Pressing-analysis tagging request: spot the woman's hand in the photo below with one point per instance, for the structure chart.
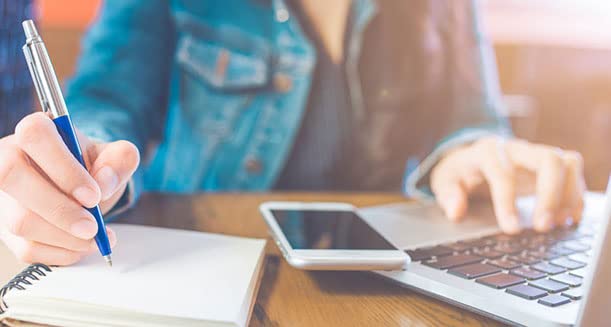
(507, 168)
(43, 190)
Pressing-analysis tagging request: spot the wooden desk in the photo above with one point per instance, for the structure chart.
(291, 297)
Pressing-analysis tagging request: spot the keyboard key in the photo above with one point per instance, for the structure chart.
(488, 253)
(473, 271)
(527, 273)
(547, 268)
(427, 253)
(568, 279)
(574, 293)
(544, 254)
(549, 285)
(508, 249)
(554, 300)
(480, 242)
(459, 246)
(453, 261)
(579, 272)
(576, 246)
(580, 257)
(527, 292)
(525, 259)
(505, 264)
(501, 280)
(567, 263)
(550, 255)
(504, 238)
(559, 250)
(565, 235)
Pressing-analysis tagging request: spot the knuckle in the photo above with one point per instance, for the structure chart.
(574, 159)
(486, 144)
(18, 226)
(32, 129)
(59, 211)
(10, 158)
(68, 258)
(553, 157)
(26, 253)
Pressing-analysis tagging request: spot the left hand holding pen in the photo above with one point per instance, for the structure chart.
(507, 168)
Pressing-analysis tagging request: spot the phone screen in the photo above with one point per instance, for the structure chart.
(333, 230)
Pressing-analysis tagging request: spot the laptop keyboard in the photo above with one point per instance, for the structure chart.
(548, 268)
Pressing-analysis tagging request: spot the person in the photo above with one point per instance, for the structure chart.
(276, 94)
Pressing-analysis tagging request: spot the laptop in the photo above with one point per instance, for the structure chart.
(556, 279)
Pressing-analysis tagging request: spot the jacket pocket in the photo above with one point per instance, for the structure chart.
(222, 70)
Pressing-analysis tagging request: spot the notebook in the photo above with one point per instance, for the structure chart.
(160, 277)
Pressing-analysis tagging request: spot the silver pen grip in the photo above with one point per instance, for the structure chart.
(43, 74)
(28, 57)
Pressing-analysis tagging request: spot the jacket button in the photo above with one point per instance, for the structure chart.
(253, 166)
(282, 15)
(282, 82)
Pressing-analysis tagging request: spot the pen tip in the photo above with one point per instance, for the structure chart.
(108, 260)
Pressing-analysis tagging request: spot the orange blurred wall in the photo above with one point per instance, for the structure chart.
(76, 14)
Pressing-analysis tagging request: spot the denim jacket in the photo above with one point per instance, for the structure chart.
(213, 92)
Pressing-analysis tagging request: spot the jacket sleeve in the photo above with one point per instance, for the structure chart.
(120, 88)
(475, 113)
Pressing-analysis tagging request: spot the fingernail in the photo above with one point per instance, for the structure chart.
(544, 222)
(84, 228)
(452, 208)
(86, 196)
(108, 181)
(510, 224)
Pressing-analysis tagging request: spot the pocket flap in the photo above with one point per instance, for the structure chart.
(222, 67)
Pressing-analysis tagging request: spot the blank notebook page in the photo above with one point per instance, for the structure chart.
(165, 272)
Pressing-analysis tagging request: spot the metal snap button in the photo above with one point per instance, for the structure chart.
(254, 165)
(282, 82)
(282, 15)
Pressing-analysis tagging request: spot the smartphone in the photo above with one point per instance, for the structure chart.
(329, 236)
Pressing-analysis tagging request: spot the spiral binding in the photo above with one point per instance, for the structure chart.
(29, 274)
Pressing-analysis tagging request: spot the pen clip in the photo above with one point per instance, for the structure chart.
(29, 58)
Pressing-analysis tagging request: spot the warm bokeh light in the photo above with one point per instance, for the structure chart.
(579, 24)
(54, 13)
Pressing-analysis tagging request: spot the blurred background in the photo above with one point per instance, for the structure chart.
(554, 59)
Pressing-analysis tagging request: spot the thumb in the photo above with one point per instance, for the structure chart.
(113, 165)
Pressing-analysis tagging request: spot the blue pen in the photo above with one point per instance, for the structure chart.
(52, 102)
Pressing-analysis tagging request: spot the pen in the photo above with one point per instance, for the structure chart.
(52, 102)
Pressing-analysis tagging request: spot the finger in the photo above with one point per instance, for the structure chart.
(500, 173)
(26, 224)
(24, 184)
(448, 188)
(453, 200)
(550, 190)
(107, 205)
(38, 137)
(30, 252)
(114, 165)
(574, 187)
(112, 237)
(547, 162)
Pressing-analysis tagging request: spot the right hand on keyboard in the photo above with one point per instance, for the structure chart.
(43, 190)
(504, 169)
